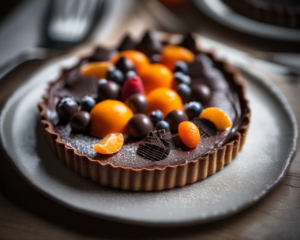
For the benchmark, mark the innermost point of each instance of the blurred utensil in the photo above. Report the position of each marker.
(68, 22)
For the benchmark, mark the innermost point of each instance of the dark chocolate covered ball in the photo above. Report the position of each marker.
(124, 64)
(66, 108)
(108, 90)
(87, 103)
(174, 118)
(200, 93)
(137, 103)
(80, 122)
(139, 126)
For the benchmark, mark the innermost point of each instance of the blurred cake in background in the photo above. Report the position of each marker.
(284, 13)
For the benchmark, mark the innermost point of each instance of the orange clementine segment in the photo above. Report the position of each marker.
(109, 116)
(189, 134)
(171, 54)
(217, 116)
(95, 69)
(110, 144)
(164, 99)
(139, 59)
(156, 76)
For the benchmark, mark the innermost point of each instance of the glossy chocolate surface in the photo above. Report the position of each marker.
(225, 94)
(108, 90)
(80, 122)
(200, 93)
(137, 103)
(139, 126)
(174, 118)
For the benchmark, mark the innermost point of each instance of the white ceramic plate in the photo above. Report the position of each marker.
(220, 12)
(261, 164)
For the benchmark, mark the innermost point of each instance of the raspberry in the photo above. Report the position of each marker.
(132, 85)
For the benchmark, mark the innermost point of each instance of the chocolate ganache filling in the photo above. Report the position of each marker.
(225, 94)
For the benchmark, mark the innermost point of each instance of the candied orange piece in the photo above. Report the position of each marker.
(95, 69)
(139, 59)
(109, 116)
(110, 144)
(164, 99)
(156, 76)
(171, 54)
(217, 116)
(189, 134)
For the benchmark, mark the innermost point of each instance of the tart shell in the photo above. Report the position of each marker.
(145, 179)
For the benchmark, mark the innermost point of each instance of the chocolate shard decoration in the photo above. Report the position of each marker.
(196, 69)
(78, 86)
(202, 68)
(206, 127)
(126, 44)
(168, 137)
(102, 54)
(164, 135)
(153, 147)
(149, 45)
(189, 42)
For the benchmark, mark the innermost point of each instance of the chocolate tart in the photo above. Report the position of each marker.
(126, 169)
(284, 13)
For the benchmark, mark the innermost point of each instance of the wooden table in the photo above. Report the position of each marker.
(26, 214)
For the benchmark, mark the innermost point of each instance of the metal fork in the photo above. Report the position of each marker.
(67, 22)
(71, 19)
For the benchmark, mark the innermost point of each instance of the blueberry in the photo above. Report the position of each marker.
(66, 108)
(184, 91)
(163, 125)
(180, 77)
(181, 66)
(115, 75)
(87, 103)
(193, 109)
(156, 116)
(110, 72)
(130, 74)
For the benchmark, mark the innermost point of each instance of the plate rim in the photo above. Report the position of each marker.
(267, 84)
